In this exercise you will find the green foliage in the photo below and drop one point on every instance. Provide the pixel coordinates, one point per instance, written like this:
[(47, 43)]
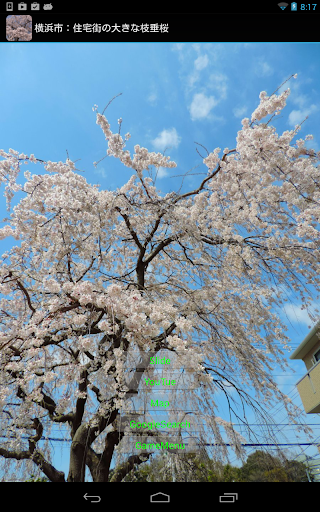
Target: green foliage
[(39, 479), (260, 466), (264, 467)]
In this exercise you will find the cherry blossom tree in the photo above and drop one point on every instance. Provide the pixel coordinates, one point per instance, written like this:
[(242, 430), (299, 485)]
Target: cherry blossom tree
[(102, 280), (19, 28)]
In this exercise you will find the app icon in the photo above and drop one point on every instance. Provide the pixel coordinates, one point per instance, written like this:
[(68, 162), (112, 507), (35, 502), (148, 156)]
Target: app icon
[(228, 497), (35, 6), (47, 7), (9, 6), (160, 497), (22, 6)]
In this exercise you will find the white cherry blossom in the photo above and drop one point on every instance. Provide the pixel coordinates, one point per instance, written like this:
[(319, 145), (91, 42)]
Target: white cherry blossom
[(99, 280)]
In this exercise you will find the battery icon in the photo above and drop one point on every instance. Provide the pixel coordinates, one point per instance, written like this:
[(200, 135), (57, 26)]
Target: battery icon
[(294, 6), (228, 497)]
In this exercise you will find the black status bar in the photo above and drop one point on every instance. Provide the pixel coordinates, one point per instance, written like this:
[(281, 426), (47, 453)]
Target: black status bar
[(69, 8)]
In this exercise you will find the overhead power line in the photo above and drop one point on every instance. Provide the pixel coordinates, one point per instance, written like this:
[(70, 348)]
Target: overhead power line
[(262, 444), (201, 444)]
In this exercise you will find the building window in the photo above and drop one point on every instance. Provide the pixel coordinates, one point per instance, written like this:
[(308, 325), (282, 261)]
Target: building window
[(316, 356)]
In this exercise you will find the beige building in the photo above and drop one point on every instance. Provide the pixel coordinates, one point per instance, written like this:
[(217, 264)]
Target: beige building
[(309, 385)]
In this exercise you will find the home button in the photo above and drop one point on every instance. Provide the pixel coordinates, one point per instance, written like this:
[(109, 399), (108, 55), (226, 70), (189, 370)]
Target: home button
[(160, 497)]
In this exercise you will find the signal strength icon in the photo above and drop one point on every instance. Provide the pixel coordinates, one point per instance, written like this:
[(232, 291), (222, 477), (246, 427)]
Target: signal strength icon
[(283, 5)]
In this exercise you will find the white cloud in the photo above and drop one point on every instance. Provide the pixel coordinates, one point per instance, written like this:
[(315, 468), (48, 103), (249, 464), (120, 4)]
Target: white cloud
[(196, 47), (201, 106), (162, 172), (218, 82), (167, 138), (297, 116), (179, 46), (239, 111), (152, 98), (200, 65), (284, 382), (101, 171), (201, 62), (297, 315), (263, 68), (300, 100)]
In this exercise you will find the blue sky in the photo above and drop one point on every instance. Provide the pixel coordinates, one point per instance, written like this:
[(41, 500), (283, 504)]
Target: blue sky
[(173, 95)]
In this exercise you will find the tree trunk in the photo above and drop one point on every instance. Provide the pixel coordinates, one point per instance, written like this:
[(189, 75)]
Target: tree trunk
[(98, 466), (78, 453)]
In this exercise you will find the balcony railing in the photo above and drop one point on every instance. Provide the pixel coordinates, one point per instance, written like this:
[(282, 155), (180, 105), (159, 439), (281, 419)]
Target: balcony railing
[(309, 389)]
